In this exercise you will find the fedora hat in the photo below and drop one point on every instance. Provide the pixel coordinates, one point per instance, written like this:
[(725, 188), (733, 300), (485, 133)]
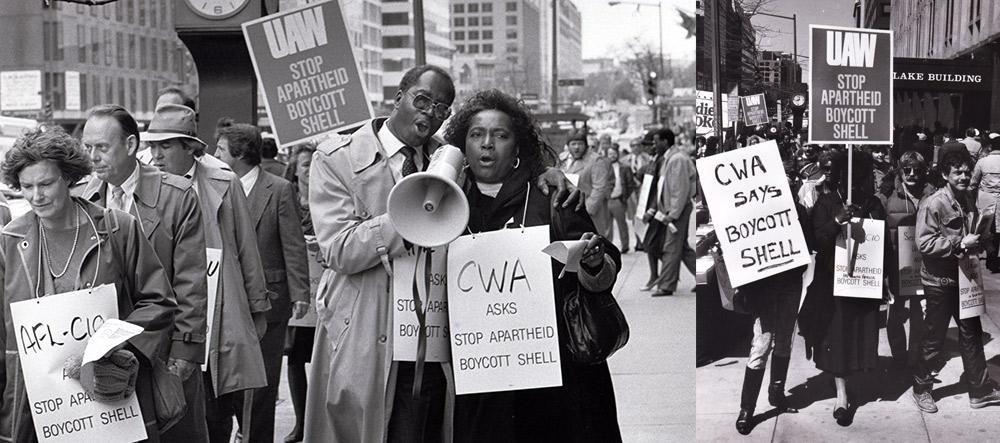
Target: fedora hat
[(172, 121)]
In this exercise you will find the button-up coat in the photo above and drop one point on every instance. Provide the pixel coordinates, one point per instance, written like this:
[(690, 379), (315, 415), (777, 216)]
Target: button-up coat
[(128, 261)]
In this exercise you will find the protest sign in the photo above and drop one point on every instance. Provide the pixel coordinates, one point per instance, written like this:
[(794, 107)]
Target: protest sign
[(51, 330), (755, 217), (909, 262), (857, 272), (754, 109), (404, 318), (705, 113), (305, 63), (501, 304), (573, 178), (850, 85), (315, 274), (971, 293), (214, 260), (640, 207)]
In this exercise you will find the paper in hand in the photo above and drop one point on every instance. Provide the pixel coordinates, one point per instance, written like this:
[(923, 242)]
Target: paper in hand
[(568, 252), (111, 334)]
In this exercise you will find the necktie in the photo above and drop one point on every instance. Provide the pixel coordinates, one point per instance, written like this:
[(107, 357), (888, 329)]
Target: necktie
[(409, 165), (117, 198)]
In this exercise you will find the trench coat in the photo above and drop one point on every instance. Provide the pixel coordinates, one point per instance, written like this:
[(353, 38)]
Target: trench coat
[(170, 218), (353, 377), (144, 299), (234, 356)]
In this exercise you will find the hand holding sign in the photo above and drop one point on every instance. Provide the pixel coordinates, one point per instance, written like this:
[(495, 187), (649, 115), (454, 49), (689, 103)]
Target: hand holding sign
[(568, 252)]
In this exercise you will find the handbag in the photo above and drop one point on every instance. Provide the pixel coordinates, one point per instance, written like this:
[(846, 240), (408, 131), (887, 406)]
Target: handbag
[(595, 324), (168, 389)]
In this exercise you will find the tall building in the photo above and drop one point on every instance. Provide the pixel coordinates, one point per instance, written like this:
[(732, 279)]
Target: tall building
[(58, 61), (508, 45), (778, 69), (876, 14), (398, 54), (737, 44)]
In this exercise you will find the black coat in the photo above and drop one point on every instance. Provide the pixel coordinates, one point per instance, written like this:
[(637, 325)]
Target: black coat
[(583, 409)]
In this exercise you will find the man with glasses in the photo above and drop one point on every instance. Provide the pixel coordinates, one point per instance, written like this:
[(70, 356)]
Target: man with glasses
[(356, 391)]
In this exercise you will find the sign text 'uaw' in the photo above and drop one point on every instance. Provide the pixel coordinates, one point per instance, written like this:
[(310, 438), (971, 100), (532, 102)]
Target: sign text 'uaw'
[(850, 87)]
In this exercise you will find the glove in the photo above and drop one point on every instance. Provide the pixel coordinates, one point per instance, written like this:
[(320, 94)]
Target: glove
[(111, 378)]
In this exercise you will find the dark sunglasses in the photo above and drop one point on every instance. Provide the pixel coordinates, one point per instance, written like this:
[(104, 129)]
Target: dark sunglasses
[(425, 103), (913, 171)]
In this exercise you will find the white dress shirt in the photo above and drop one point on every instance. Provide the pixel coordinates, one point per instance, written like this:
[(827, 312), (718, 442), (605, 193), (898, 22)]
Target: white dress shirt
[(249, 179), (129, 190), (392, 146)]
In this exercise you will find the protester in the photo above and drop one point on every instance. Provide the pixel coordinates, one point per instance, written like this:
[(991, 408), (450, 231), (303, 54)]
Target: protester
[(76, 245), (299, 341), (357, 392), (942, 244), (618, 200), (841, 333), (670, 218), (5, 215), (595, 178), (176, 96), (274, 214), (170, 217), (901, 211), (234, 363), (268, 160), (971, 142), (652, 242), (504, 153)]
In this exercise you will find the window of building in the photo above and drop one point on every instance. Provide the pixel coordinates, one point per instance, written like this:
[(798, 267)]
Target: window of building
[(487, 7), (108, 48), (130, 12), (458, 8), (459, 35), (473, 21), (146, 95), (106, 11), (487, 48), (511, 48), (473, 7), (118, 11), (81, 41), (142, 12), (143, 53), (97, 91), (154, 54), (95, 46), (119, 50), (459, 21), (473, 35), (511, 6), (460, 48), (57, 45), (512, 20), (975, 15), (396, 41), (164, 13), (131, 52), (133, 95), (487, 35), (152, 13), (165, 56), (395, 18), (84, 97), (512, 34), (473, 49), (109, 90), (488, 20), (949, 22)]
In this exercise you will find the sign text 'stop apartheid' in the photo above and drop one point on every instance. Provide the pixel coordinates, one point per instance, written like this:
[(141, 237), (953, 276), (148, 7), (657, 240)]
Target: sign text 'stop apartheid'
[(850, 88)]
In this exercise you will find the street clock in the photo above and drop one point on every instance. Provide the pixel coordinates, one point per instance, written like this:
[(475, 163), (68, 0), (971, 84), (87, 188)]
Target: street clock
[(216, 9), (799, 100)]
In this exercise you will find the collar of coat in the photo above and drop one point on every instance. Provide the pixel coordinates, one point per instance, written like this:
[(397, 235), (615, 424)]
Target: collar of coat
[(147, 187), (366, 149), (27, 224)]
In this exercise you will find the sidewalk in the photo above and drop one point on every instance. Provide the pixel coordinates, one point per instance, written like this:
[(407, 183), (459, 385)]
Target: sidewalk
[(886, 410), (652, 374)]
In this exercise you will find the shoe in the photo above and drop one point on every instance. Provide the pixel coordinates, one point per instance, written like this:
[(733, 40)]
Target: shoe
[(842, 415), (295, 436), (744, 423), (649, 287), (663, 293), (925, 401), (990, 398), (776, 397)]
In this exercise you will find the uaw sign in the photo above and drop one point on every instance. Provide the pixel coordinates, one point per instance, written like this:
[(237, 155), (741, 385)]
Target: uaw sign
[(850, 88), (754, 109), (756, 222), (305, 63)]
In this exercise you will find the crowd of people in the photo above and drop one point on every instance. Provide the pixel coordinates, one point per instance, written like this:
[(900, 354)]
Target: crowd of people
[(207, 243), (943, 189)]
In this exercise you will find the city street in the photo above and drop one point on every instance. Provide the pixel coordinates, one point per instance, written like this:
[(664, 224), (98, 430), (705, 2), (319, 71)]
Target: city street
[(886, 410), (652, 374)]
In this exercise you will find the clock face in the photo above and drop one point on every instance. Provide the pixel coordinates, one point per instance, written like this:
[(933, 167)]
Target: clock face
[(216, 9), (799, 100)]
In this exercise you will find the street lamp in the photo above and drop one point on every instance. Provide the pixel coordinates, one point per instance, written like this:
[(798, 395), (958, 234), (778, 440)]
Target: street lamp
[(795, 32), (659, 7)]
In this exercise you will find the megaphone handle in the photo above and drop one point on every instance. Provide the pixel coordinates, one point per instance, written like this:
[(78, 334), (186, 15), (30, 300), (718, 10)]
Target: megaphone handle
[(420, 310)]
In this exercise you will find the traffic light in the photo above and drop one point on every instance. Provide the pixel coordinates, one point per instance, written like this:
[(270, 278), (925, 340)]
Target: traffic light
[(651, 88)]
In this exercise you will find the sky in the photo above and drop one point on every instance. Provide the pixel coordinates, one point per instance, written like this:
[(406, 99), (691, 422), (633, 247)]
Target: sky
[(819, 12), (606, 29)]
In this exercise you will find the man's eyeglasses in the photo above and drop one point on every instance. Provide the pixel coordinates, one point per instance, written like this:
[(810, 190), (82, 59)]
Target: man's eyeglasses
[(909, 171), (425, 103)]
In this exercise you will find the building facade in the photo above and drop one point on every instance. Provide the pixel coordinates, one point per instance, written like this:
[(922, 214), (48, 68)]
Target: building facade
[(736, 39), (778, 69), (398, 53), (121, 52)]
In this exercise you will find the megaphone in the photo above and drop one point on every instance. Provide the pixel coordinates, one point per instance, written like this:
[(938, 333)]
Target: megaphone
[(429, 208)]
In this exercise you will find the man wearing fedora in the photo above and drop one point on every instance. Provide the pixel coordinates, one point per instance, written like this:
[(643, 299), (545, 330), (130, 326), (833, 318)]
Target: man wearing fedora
[(240, 298), (170, 217)]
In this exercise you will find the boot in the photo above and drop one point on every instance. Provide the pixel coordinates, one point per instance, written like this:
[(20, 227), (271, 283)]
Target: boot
[(752, 380), (776, 391)]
